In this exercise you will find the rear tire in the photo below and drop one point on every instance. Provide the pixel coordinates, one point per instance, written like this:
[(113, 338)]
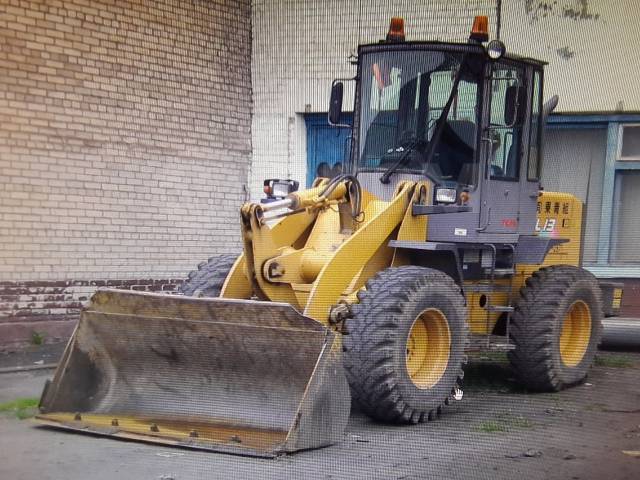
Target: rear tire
[(404, 348), (556, 327), (208, 279)]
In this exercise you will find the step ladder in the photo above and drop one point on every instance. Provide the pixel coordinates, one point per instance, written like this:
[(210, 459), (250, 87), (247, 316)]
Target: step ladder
[(490, 288)]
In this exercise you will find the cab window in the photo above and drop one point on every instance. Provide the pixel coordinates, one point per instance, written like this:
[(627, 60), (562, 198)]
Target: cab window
[(508, 106)]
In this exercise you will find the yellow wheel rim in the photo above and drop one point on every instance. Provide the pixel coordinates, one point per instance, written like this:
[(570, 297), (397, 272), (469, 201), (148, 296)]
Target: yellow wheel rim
[(428, 348), (575, 334)]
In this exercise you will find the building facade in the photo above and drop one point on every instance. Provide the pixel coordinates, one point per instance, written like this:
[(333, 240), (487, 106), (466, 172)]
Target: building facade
[(592, 140), (124, 149), (131, 131)]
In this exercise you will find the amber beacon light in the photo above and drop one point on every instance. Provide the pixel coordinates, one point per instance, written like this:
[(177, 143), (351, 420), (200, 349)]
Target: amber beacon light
[(396, 30), (480, 28)]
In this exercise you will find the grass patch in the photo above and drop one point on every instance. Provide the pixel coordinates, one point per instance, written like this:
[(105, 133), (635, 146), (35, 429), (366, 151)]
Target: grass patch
[(503, 423), (490, 426), (516, 421), (37, 338), (20, 408), (614, 361)]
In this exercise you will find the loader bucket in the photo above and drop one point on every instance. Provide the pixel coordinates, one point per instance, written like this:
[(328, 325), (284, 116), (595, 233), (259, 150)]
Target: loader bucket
[(236, 376)]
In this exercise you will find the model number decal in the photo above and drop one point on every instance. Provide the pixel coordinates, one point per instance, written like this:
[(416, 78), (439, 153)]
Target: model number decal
[(548, 226), (461, 232)]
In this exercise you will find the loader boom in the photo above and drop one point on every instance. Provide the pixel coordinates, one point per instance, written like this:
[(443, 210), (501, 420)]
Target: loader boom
[(308, 258)]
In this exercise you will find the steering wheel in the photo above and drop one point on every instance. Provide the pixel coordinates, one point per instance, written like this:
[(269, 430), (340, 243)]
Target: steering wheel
[(408, 138)]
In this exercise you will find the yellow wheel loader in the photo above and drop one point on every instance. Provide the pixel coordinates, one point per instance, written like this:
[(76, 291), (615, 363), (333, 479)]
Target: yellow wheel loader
[(372, 285)]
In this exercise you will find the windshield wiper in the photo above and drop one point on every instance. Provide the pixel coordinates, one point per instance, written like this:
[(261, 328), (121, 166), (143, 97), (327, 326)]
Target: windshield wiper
[(442, 119), (389, 171)]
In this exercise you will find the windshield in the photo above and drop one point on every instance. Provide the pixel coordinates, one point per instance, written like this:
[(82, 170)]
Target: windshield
[(403, 94)]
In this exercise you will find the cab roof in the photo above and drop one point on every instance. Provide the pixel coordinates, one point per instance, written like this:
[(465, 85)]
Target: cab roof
[(452, 46)]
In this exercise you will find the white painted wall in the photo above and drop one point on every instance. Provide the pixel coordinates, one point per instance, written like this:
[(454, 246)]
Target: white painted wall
[(300, 46)]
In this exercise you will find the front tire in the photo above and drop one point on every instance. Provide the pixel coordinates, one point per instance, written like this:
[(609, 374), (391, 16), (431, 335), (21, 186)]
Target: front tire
[(208, 279), (404, 348), (556, 327)]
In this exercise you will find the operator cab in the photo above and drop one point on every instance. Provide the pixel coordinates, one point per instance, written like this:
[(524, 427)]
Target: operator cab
[(466, 117), (400, 104)]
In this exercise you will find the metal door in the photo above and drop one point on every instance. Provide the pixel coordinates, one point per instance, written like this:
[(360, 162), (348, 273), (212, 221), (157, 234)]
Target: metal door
[(530, 184), (326, 146), (504, 146)]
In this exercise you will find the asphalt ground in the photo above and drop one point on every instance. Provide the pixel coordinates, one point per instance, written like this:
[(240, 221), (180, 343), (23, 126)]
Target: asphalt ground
[(496, 431)]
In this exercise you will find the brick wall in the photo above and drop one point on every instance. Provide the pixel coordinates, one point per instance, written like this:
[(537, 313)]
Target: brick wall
[(124, 146), (47, 311)]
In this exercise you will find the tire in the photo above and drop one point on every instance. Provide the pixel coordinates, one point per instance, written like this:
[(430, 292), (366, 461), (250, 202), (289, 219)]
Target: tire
[(543, 360), (377, 353), (208, 279)]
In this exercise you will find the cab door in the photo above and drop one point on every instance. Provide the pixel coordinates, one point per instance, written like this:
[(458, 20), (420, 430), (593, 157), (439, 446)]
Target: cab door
[(500, 198), (530, 183)]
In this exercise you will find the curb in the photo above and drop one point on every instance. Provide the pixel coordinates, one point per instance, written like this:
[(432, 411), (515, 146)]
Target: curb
[(45, 366)]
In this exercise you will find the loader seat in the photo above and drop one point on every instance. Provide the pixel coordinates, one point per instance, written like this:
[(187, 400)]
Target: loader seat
[(465, 130)]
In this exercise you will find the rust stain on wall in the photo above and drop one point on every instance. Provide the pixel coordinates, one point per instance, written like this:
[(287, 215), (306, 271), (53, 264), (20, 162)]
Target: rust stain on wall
[(578, 10), (565, 53), (581, 12)]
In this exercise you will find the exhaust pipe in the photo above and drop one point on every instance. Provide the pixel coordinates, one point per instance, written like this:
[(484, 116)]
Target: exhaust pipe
[(623, 333)]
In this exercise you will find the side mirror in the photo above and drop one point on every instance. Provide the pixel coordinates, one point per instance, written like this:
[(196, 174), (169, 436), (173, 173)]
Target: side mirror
[(548, 107), (335, 104)]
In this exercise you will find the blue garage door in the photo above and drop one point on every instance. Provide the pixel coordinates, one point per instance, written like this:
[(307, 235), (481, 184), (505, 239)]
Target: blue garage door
[(326, 146)]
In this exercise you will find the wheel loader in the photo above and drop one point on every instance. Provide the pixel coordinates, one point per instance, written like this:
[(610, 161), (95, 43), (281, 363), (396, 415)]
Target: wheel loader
[(366, 288)]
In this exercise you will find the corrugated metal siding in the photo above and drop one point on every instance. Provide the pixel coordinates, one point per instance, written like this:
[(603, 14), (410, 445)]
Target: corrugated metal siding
[(626, 227), (574, 163)]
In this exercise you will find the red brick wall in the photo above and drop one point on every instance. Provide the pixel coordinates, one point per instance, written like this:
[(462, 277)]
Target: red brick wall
[(47, 311)]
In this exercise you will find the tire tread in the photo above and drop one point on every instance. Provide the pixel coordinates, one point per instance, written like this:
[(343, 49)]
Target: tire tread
[(371, 330), (207, 280), (533, 325)]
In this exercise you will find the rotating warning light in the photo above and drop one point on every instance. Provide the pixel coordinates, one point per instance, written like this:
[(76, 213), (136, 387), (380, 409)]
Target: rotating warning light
[(396, 30), (480, 28)]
